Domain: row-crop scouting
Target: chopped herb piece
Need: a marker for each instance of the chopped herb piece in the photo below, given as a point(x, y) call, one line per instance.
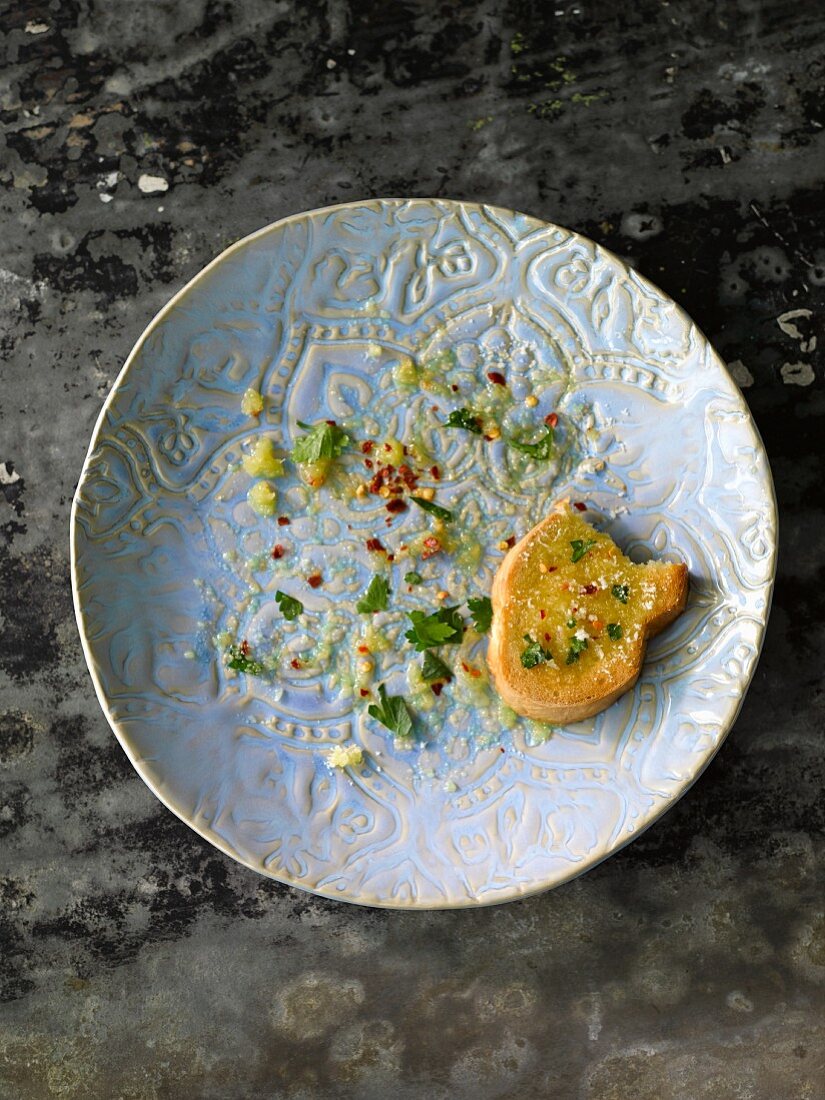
point(391, 711)
point(580, 548)
point(577, 646)
point(463, 418)
point(571, 624)
point(321, 441)
point(240, 661)
point(413, 578)
point(290, 607)
point(614, 630)
point(375, 598)
point(442, 626)
point(534, 653)
point(482, 611)
point(621, 592)
point(434, 509)
point(542, 449)
point(434, 668)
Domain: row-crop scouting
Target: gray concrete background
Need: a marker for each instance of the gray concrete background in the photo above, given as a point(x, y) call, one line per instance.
point(138, 140)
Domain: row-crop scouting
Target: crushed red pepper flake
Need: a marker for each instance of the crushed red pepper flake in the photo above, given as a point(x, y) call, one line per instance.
point(375, 546)
point(295, 663)
point(284, 521)
point(551, 420)
point(454, 387)
point(542, 613)
point(367, 446)
point(364, 693)
point(435, 473)
point(580, 506)
point(245, 647)
point(369, 463)
point(278, 551)
point(436, 688)
point(363, 649)
point(546, 636)
point(496, 377)
point(315, 580)
point(511, 541)
point(396, 506)
point(552, 568)
point(589, 589)
point(331, 423)
point(431, 546)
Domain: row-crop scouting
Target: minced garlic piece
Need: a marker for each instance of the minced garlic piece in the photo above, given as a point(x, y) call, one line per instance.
point(261, 461)
point(345, 756)
point(531, 401)
point(262, 498)
point(252, 403)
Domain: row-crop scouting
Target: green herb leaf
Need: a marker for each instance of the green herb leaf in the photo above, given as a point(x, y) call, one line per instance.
point(413, 578)
point(375, 598)
point(577, 646)
point(614, 630)
point(541, 450)
point(442, 626)
point(321, 441)
point(482, 611)
point(242, 662)
point(463, 418)
point(434, 668)
point(571, 624)
point(290, 607)
point(534, 653)
point(434, 509)
point(580, 548)
point(391, 711)
point(621, 592)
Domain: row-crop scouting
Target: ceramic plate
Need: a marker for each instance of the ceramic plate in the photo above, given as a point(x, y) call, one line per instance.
point(384, 316)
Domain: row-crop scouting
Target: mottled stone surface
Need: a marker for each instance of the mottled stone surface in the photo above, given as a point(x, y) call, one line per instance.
point(140, 139)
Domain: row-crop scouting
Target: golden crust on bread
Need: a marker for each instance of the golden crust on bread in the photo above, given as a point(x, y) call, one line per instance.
point(569, 637)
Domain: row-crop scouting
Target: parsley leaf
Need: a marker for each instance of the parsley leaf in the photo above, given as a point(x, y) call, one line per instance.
point(614, 630)
point(434, 668)
point(290, 607)
point(413, 578)
point(391, 711)
point(242, 662)
point(435, 509)
point(541, 450)
point(621, 592)
point(534, 653)
point(482, 611)
point(321, 441)
point(580, 547)
point(375, 598)
point(577, 646)
point(463, 418)
point(443, 626)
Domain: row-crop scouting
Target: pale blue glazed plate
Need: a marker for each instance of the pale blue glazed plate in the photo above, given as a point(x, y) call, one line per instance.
point(328, 313)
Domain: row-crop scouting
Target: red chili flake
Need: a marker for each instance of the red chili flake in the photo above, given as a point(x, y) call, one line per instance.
point(387, 447)
point(363, 649)
point(278, 551)
point(589, 589)
point(331, 423)
point(390, 557)
point(431, 546)
point(475, 672)
point(465, 666)
point(405, 449)
point(396, 506)
point(295, 662)
point(245, 647)
point(367, 446)
point(407, 476)
point(501, 748)
point(552, 420)
point(435, 473)
point(488, 439)
point(364, 693)
point(369, 463)
point(454, 387)
point(546, 637)
point(436, 688)
point(511, 542)
point(565, 586)
point(315, 581)
point(497, 377)
point(577, 504)
point(375, 546)
point(543, 613)
point(283, 521)
point(552, 568)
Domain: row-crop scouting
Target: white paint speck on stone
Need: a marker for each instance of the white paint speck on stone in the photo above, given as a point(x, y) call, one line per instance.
point(105, 198)
point(7, 476)
point(785, 322)
point(36, 28)
point(797, 374)
point(150, 185)
point(740, 374)
point(331, 63)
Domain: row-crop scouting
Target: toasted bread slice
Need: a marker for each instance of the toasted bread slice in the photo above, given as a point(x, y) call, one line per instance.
point(571, 619)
